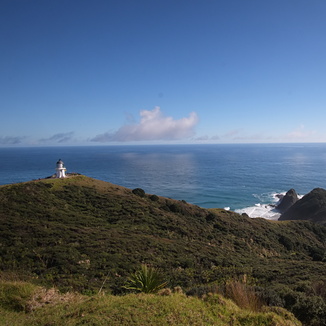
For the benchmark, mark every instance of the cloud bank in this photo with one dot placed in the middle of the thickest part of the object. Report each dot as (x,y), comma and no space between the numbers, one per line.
(8,140)
(59,138)
(300,134)
(153,125)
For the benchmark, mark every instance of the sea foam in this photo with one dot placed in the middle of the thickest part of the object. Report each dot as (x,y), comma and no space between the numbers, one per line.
(266,211)
(267,207)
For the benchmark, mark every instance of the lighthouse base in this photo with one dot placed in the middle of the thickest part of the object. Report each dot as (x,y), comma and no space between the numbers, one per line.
(61,173)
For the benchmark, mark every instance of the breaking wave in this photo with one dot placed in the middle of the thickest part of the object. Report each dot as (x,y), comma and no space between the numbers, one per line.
(266,208)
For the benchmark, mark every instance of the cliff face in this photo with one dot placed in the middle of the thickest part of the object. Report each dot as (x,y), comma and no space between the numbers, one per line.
(311,207)
(287,201)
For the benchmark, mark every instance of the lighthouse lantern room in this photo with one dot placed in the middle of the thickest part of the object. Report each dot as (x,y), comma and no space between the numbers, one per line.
(60,170)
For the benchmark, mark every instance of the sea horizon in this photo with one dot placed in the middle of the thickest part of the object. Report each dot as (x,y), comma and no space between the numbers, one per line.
(240,177)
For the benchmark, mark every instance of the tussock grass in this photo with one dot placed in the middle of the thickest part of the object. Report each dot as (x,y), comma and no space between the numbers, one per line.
(243,295)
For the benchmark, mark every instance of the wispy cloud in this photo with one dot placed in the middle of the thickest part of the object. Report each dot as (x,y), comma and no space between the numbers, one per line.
(202,138)
(232,134)
(300,133)
(153,125)
(8,140)
(59,138)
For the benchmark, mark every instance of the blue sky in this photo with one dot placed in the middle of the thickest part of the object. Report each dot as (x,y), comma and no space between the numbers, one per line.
(98,72)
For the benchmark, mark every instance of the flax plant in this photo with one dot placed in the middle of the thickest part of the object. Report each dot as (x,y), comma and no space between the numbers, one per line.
(146,280)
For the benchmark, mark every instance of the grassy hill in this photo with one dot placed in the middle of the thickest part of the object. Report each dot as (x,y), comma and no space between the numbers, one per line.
(83,234)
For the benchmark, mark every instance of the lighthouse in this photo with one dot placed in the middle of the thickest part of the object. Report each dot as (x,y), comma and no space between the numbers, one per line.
(60,170)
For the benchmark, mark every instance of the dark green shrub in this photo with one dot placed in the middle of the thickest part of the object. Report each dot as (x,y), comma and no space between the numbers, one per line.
(317,254)
(310,310)
(175,208)
(154,198)
(210,217)
(286,242)
(139,192)
(220,227)
(270,297)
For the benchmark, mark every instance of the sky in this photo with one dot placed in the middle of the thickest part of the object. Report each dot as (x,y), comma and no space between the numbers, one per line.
(104,72)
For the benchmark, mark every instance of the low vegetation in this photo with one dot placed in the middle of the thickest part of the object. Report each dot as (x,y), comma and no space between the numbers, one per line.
(88,236)
(24,304)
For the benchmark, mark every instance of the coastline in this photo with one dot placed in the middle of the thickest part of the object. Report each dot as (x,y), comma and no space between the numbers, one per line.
(243,179)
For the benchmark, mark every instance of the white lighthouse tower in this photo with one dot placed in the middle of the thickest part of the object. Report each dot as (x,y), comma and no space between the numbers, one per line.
(60,170)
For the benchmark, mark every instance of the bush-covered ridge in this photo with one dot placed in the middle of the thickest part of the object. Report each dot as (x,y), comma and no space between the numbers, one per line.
(83,234)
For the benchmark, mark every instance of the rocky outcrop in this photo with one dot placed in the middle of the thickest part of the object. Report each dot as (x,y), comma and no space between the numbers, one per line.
(287,201)
(311,207)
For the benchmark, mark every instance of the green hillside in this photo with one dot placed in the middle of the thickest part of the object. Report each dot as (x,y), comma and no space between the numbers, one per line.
(83,234)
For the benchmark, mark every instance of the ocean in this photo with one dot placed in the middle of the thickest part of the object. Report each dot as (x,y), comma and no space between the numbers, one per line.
(245,177)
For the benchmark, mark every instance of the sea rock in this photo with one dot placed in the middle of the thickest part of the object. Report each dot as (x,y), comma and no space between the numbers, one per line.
(287,201)
(311,207)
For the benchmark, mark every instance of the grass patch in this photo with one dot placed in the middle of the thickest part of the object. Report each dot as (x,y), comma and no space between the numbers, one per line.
(132,309)
(14,296)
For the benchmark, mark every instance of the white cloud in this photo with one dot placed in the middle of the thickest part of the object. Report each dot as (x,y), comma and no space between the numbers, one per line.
(153,125)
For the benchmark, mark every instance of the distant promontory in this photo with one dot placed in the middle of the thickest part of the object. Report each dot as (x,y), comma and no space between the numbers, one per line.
(311,207)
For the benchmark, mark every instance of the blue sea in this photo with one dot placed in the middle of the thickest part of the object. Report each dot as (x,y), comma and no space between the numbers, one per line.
(243,177)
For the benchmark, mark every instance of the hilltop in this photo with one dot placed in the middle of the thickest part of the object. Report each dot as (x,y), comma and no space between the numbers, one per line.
(84,234)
